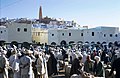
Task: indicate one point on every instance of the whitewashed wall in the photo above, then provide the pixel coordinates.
(3, 33)
(21, 36)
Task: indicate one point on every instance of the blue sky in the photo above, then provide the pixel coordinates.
(85, 12)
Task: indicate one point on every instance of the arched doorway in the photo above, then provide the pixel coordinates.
(92, 42)
(98, 42)
(116, 43)
(110, 44)
(80, 42)
(87, 42)
(26, 45)
(71, 42)
(14, 43)
(2, 42)
(104, 42)
(53, 43)
(63, 43)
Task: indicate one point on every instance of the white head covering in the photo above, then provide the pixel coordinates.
(99, 50)
(23, 49)
(118, 55)
(19, 54)
(84, 53)
(4, 52)
(97, 58)
(76, 76)
(94, 48)
(1, 49)
(14, 47)
(13, 50)
(28, 51)
(79, 54)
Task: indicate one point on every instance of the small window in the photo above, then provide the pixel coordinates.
(18, 29)
(110, 35)
(52, 34)
(81, 34)
(25, 29)
(104, 35)
(4, 30)
(38, 33)
(69, 34)
(92, 33)
(1, 32)
(116, 35)
(62, 34)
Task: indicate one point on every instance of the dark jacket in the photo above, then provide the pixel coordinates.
(75, 69)
(88, 66)
(98, 69)
(116, 67)
(52, 65)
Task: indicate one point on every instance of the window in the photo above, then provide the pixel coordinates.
(62, 34)
(4, 30)
(52, 34)
(38, 33)
(92, 33)
(104, 35)
(25, 29)
(18, 29)
(69, 34)
(81, 34)
(1, 32)
(116, 35)
(110, 35)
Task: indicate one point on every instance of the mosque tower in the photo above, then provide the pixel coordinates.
(40, 13)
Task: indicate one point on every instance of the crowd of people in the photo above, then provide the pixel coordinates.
(45, 61)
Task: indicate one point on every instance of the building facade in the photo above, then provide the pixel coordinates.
(102, 34)
(61, 36)
(23, 30)
(19, 32)
(39, 35)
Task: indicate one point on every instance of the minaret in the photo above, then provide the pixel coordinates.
(40, 13)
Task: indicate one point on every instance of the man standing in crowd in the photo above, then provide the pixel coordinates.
(52, 65)
(26, 65)
(98, 67)
(4, 64)
(11, 60)
(76, 66)
(116, 65)
(88, 65)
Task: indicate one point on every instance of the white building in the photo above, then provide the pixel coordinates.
(64, 36)
(3, 33)
(19, 32)
(22, 30)
(101, 34)
(68, 35)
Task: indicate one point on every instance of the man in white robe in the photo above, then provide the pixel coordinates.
(16, 66)
(4, 64)
(26, 65)
(84, 56)
(41, 66)
(11, 60)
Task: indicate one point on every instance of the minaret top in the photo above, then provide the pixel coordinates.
(40, 13)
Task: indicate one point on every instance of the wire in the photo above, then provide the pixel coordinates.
(10, 4)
